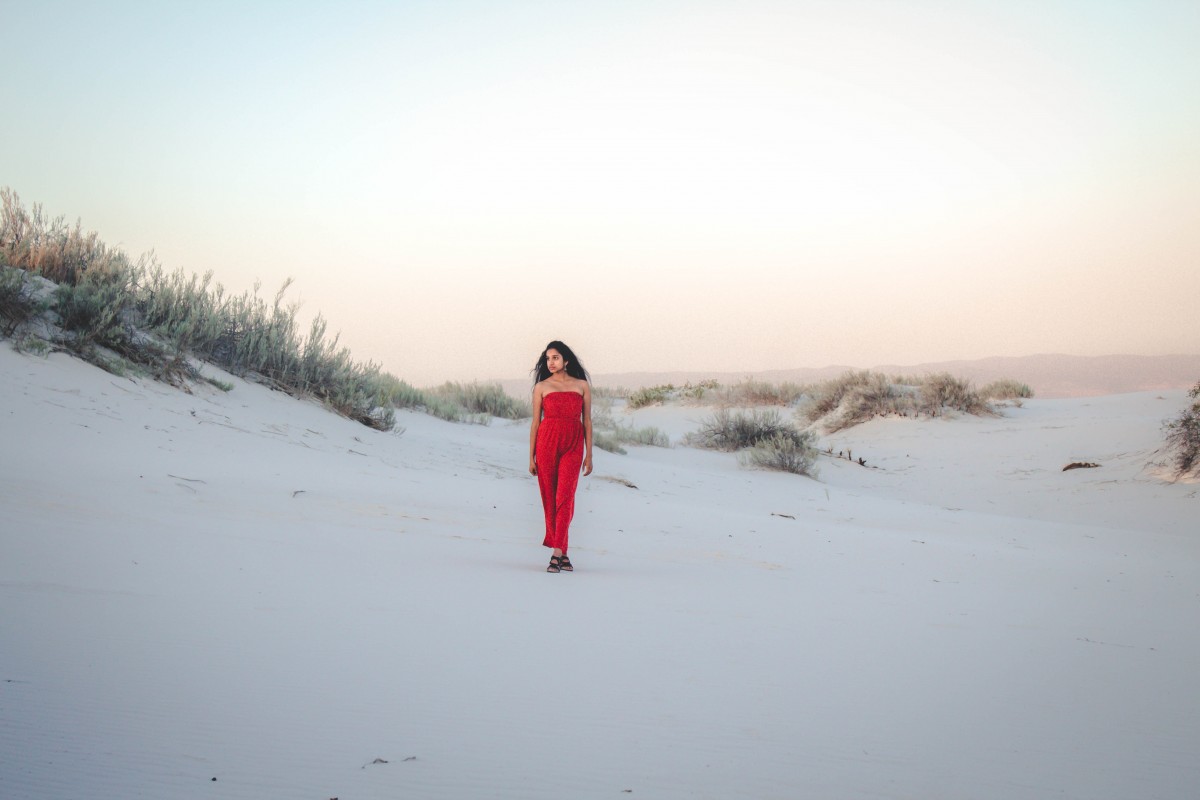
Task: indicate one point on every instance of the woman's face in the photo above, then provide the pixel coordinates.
(554, 361)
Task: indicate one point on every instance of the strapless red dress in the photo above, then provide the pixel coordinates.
(558, 454)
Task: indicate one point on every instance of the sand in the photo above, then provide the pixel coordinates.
(244, 586)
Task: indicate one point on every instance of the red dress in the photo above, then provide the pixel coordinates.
(558, 454)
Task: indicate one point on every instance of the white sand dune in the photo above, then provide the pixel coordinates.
(246, 587)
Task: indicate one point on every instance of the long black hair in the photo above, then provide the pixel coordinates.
(574, 366)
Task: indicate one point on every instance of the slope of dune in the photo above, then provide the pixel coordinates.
(242, 595)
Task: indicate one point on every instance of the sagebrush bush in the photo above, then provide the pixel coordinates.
(50, 247)
(729, 430)
(783, 453)
(97, 310)
(18, 300)
(1183, 436)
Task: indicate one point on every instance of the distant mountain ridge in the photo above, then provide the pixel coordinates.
(1049, 375)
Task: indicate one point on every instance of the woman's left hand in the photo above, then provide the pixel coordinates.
(587, 465)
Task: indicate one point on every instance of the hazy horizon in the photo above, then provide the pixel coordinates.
(665, 186)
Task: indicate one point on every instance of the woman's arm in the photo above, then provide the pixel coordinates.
(587, 428)
(533, 427)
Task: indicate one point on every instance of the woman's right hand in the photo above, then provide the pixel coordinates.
(532, 467)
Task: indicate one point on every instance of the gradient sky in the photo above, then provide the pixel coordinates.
(663, 185)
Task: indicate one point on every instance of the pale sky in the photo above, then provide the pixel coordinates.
(719, 186)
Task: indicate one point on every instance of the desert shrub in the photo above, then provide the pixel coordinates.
(602, 411)
(1006, 389)
(1183, 435)
(648, 436)
(827, 396)
(29, 343)
(607, 440)
(609, 434)
(649, 396)
(50, 247)
(187, 308)
(656, 395)
(857, 397)
(18, 300)
(875, 397)
(97, 311)
(860, 396)
(751, 392)
(696, 393)
(443, 408)
(783, 453)
(943, 390)
(729, 430)
(401, 393)
(488, 399)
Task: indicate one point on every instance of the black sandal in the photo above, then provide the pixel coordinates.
(554, 564)
(564, 563)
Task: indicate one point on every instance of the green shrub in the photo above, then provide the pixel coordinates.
(1183, 436)
(783, 453)
(97, 311)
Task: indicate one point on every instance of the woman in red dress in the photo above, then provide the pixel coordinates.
(560, 442)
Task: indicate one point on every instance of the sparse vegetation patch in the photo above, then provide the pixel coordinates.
(1183, 436)
(609, 434)
(856, 397)
(751, 392)
(735, 430)
(783, 453)
(766, 440)
(1006, 389)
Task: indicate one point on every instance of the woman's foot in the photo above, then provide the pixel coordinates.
(564, 564)
(555, 562)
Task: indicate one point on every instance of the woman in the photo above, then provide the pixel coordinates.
(560, 442)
